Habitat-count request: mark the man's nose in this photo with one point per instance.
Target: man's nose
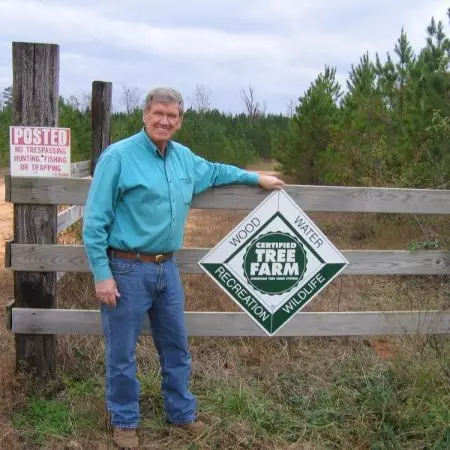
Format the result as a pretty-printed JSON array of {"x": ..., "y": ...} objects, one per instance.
[{"x": 164, "y": 119}]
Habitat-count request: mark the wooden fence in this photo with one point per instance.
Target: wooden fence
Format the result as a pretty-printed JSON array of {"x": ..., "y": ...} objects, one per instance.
[
  {"x": 72, "y": 258},
  {"x": 35, "y": 257}
]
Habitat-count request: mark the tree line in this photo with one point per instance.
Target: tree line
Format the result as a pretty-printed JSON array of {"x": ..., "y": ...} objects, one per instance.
[
  {"x": 234, "y": 139},
  {"x": 388, "y": 126}
]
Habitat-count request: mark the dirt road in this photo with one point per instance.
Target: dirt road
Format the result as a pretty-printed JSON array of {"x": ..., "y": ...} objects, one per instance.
[{"x": 6, "y": 215}]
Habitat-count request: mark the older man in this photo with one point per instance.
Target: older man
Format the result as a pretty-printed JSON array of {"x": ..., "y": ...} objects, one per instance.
[{"x": 133, "y": 222}]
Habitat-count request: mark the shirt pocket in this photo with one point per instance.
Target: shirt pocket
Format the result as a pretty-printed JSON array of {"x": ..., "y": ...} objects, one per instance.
[{"x": 187, "y": 188}]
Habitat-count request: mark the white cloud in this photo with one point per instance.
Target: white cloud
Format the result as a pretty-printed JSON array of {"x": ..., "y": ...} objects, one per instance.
[
  {"x": 278, "y": 45},
  {"x": 82, "y": 26}
]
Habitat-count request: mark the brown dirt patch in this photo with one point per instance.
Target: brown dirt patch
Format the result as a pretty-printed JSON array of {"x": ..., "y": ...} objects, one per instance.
[
  {"x": 383, "y": 348},
  {"x": 9, "y": 389},
  {"x": 6, "y": 212}
]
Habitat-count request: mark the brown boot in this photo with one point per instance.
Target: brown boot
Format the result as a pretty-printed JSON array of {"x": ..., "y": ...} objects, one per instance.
[
  {"x": 125, "y": 438},
  {"x": 195, "y": 428}
]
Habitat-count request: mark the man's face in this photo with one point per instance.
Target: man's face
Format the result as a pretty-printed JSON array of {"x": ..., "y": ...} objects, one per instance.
[{"x": 162, "y": 121}]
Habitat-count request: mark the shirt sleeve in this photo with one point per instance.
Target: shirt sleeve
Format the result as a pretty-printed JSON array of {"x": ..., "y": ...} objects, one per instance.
[
  {"x": 208, "y": 174},
  {"x": 99, "y": 214}
]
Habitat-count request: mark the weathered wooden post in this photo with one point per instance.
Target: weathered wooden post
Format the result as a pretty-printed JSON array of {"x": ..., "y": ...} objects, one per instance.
[
  {"x": 101, "y": 119},
  {"x": 35, "y": 103}
]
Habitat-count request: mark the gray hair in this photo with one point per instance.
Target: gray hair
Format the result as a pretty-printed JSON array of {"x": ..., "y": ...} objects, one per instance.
[{"x": 164, "y": 95}]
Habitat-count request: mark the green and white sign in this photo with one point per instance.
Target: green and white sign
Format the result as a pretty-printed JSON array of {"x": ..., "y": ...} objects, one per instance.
[{"x": 274, "y": 262}]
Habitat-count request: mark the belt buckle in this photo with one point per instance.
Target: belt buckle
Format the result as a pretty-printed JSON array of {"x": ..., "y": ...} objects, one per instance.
[{"x": 159, "y": 257}]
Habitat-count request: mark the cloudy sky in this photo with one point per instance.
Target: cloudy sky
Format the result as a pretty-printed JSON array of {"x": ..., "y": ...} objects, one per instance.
[{"x": 277, "y": 46}]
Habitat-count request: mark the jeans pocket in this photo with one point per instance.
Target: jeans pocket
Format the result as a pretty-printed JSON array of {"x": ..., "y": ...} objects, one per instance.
[{"x": 120, "y": 266}]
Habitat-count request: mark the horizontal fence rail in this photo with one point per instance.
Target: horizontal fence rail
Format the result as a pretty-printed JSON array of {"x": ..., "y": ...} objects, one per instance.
[
  {"x": 73, "y": 213},
  {"x": 69, "y": 216},
  {"x": 73, "y": 191},
  {"x": 66, "y": 321},
  {"x": 81, "y": 169},
  {"x": 72, "y": 258}
]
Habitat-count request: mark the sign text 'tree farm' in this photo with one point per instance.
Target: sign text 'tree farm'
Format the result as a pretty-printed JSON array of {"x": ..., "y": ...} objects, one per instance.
[{"x": 274, "y": 262}]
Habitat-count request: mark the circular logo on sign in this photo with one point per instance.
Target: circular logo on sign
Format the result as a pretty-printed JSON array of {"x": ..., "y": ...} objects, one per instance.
[{"x": 274, "y": 263}]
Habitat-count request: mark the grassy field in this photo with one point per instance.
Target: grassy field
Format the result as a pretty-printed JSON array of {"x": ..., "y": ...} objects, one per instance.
[{"x": 260, "y": 393}]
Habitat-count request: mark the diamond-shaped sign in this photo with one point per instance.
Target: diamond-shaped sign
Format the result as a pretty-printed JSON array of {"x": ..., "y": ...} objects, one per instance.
[{"x": 274, "y": 262}]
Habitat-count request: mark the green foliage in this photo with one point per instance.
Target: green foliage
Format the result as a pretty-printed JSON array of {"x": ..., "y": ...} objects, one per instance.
[
  {"x": 124, "y": 125},
  {"x": 79, "y": 122},
  {"x": 229, "y": 139},
  {"x": 6, "y": 98},
  {"x": 436, "y": 53},
  {"x": 326, "y": 393},
  {"x": 253, "y": 407},
  {"x": 434, "y": 244},
  {"x": 216, "y": 137},
  {"x": 81, "y": 388},
  {"x": 399, "y": 405},
  {"x": 390, "y": 129},
  {"x": 431, "y": 164},
  {"x": 41, "y": 418},
  {"x": 151, "y": 397},
  {"x": 310, "y": 131},
  {"x": 5, "y": 123},
  {"x": 210, "y": 133}
]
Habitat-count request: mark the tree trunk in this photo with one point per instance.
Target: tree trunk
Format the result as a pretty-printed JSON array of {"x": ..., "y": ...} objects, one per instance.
[
  {"x": 101, "y": 117},
  {"x": 35, "y": 103}
]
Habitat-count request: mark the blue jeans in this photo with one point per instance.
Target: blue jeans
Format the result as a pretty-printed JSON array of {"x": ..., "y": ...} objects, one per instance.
[{"x": 153, "y": 289}]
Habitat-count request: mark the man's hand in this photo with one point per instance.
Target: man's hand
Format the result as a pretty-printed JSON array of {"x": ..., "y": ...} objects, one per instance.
[
  {"x": 107, "y": 292},
  {"x": 269, "y": 182}
]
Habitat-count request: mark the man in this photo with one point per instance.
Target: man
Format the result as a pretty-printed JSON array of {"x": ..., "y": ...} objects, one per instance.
[{"x": 133, "y": 222}]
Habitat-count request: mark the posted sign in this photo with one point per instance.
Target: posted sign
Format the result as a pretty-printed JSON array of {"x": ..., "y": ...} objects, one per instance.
[
  {"x": 274, "y": 262},
  {"x": 39, "y": 151}
]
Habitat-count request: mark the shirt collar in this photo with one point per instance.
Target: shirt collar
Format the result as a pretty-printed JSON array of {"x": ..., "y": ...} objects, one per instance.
[{"x": 151, "y": 145}]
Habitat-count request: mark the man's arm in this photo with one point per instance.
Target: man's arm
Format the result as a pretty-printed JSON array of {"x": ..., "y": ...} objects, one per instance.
[
  {"x": 98, "y": 216},
  {"x": 208, "y": 174}
]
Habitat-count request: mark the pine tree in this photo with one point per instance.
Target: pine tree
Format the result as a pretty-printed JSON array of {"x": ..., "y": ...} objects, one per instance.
[
  {"x": 310, "y": 129},
  {"x": 405, "y": 55},
  {"x": 354, "y": 158},
  {"x": 6, "y": 98}
]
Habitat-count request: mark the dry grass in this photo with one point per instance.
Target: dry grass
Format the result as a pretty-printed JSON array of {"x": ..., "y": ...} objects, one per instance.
[
  {"x": 346, "y": 231},
  {"x": 9, "y": 392},
  {"x": 248, "y": 387},
  {"x": 13, "y": 389},
  {"x": 346, "y": 293}
]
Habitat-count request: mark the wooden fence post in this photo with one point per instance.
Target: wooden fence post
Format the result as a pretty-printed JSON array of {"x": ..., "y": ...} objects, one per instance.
[
  {"x": 35, "y": 103},
  {"x": 101, "y": 119}
]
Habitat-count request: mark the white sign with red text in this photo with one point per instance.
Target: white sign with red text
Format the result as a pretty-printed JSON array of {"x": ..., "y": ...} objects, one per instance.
[{"x": 39, "y": 151}]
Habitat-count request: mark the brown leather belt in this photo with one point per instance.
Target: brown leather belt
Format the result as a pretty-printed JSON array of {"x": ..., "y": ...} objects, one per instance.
[{"x": 145, "y": 257}]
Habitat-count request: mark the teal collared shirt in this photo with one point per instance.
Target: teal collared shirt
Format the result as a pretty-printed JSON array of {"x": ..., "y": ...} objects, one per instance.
[{"x": 139, "y": 200}]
